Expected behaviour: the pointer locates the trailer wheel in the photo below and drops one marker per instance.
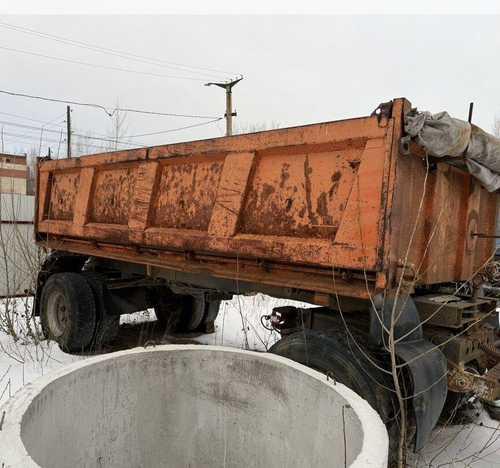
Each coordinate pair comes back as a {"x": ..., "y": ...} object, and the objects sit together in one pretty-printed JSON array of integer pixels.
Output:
[
  {"x": 107, "y": 325},
  {"x": 185, "y": 314},
  {"x": 331, "y": 355},
  {"x": 168, "y": 310},
  {"x": 194, "y": 314},
  {"x": 68, "y": 311},
  {"x": 106, "y": 330}
]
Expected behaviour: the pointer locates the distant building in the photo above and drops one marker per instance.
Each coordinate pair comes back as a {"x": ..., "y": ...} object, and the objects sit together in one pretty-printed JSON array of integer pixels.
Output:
[
  {"x": 13, "y": 174},
  {"x": 20, "y": 257}
]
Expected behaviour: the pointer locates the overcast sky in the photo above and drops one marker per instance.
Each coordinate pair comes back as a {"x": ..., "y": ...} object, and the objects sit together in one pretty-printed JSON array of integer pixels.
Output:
[{"x": 297, "y": 70}]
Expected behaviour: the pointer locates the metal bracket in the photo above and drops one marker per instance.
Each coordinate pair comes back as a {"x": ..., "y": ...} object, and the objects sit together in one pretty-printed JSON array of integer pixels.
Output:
[
  {"x": 404, "y": 145},
  {"x": 383, "y": 110},
  {"x": 486, "y": 387}
]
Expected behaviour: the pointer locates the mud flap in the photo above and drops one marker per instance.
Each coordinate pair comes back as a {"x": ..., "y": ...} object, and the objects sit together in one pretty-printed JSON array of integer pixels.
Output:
[
  {"x": 426, "y": 364},
  {"x": 428, "y": 369}
]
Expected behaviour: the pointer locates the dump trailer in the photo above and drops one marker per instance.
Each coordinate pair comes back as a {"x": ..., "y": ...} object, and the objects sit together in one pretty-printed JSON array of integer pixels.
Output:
[{"x": 350, "y": 216}]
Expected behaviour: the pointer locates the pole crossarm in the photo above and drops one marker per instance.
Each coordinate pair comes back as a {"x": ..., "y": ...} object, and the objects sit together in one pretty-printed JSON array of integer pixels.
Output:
[{"x": 227, "y": 86}]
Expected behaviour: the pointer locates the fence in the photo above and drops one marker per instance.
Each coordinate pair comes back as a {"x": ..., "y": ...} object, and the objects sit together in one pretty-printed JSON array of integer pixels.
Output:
[{"x": 19, "y": 255}]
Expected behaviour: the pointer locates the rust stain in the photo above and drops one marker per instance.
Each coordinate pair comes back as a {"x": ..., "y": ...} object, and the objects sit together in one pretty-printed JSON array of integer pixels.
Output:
[
  {"x": 112, "y": 195},
  {"x": 307, "y": 185},
  {"x": 186, "y": 194},
  {"x": 300, "y": 195},
  {"x": 62, "y": 195}
]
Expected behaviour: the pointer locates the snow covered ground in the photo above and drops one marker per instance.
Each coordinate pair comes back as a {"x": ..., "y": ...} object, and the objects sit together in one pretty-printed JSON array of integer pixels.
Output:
[
  {"x": 238, "y": 324},
  {"x": 476, "y": 443}
]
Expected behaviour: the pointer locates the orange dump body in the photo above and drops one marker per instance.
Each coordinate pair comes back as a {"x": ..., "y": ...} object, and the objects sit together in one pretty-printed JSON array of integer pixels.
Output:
[{"x": 329, "y": 208}]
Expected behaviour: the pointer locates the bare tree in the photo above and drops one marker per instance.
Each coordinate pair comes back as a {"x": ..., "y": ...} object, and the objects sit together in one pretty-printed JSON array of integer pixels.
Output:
[
  {"x": 247, "y": 127},
  {"x": 84, "y": 144},
  {"x": 20, "y": 262},
  {"x": 118, "y": 128}
]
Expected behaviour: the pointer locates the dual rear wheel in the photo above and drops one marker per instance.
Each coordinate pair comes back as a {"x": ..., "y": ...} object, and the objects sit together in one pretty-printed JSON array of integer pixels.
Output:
[
  {"x": 186, "y": 313},
  {"x": 73, "y": 312}
]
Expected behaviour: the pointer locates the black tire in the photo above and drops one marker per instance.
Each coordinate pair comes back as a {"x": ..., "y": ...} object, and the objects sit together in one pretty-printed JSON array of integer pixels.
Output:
[
  {"x": 493, "y": 411},
  {"x": 211, "y": 313},
  {"x": 186, "y": 314},
  {"x": 68, "y": 311},
  {"x": 193, "y": 313},
  {"x": 107, "y": 325},
  {"x": 169, "y": 309},
  {"x": 331, "y": 354},
  {"x": 106, "y": 331},
  {"x": 199, "y": 315}
]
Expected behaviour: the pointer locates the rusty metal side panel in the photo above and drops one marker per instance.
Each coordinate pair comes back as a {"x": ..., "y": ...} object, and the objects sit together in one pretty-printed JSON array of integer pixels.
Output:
[
  {"x": 347, "y": 207},
  {"x": 231, "y": 194},
  {"x": 111, "y": 194},
  {"x": 485, "y": 248},
  {"x": 303, "y": 193},
  {"x": 436, "y": 212},
  {"x": 186, "y": 193},
  {"x": 64, "y": 186},
  {"x": 311, "y": 196}
]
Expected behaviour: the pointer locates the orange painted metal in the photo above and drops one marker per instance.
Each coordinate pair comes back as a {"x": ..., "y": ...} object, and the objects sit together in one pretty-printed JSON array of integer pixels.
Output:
[{"x": 286, "y": 207}]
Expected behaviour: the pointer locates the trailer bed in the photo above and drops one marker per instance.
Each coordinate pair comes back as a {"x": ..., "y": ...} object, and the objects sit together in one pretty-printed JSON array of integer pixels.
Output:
[{"x": 285, "y": 207}]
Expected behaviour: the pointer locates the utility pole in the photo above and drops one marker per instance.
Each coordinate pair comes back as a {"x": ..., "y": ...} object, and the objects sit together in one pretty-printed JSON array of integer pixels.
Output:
[
  {"x": 229, "y": 102},
  {"x": 471, "y": 109},
  {"x": 68, "y": 130}
]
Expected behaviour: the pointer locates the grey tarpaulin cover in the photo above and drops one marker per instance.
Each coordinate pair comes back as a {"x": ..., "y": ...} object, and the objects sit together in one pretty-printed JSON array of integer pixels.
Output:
[{"x": 466, "y": 145}]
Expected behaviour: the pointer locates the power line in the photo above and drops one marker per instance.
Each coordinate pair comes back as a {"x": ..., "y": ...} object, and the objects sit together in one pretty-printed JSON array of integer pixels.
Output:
[
  {"x": 37, "y": 138},
  {"x": 105, "y": 67},
  {"x": 12, "y": 140},
  {"x": 174, "y": 129},
  {"x": 127, "y": 109},
  {"x": 51, "y": 122},
  {"x": 52, "y": 125},
  {"x": 42, "y": 128},
  {"x": 17, "y": 116},
  {"x": 121, "y": 141},
  {"x": 122, "y": 54},
  {"x": 98, "y": 106},
  {"x": 31, "y": 127},
  {"x": 31, "y": 138},
  {"x": 112, "y": 140},
  {"x": 109, "y": 140}
]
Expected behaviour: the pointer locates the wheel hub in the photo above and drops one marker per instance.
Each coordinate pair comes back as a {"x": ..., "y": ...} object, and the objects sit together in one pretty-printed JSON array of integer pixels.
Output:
[{"x": 58, "y": 314}]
